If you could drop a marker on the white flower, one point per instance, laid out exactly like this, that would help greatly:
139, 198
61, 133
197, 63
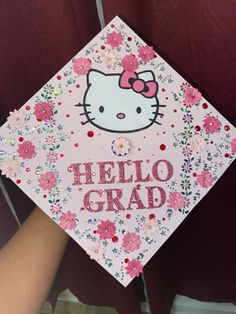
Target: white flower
9, 167
198, 144
110, 57
96, 251
51, 140
120, 146
16, 118
150, 227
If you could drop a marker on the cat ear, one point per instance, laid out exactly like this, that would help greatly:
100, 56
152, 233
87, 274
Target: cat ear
147, 76
95, 76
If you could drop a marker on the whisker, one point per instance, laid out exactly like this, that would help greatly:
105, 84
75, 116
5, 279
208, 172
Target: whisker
82, 105
158, 114
84, 113
156, 105
85, 122
154, 121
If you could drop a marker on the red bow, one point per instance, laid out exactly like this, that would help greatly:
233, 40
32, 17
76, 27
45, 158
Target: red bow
131, 80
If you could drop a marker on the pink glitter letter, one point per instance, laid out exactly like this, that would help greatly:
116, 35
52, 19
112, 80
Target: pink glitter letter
105, 172
122, 178
155, 171
138, 169
78, 173
159, 201
135, 199
87, 202
114, 200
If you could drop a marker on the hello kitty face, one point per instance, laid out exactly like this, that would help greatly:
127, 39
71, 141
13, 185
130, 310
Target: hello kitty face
121, 103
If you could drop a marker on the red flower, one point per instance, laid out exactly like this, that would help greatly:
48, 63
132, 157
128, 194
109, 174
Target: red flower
43, 111
211, 124
68, 220
134, 268
106, 229
146, 53
82, 65
129, 63
192, 96
114, 39
26, 150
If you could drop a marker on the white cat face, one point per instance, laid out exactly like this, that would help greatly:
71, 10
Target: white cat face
114, 109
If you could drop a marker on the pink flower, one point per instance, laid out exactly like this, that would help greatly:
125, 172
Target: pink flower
82, 65
26, 150
43, 111
176, 200
52, 157
191, 96
211, 124
129, 63
68, 220
233, 145
106, 229
134, 268
47, 181
205, 179
146, 53
131, 242
114, 39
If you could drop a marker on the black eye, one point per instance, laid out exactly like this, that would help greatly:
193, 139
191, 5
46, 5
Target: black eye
101, 108
138, 109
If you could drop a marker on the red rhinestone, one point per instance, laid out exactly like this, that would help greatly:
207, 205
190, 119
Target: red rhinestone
197, 128
152, 216
194, 174
94, 231
129, 38
162, 147
175, 110
90, 134
115, 239
77, 85
59, 103
112, 25
204, 106
45, 196
211, 142
62, 155
226, 127
70, 91
226, 155
18, 181
163, 89
103, 47
172, 125
76, 144
128, 216
67, 115
163, 219
155, 56
27, 169
126, 260
27, 107
21, 139
59, 77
